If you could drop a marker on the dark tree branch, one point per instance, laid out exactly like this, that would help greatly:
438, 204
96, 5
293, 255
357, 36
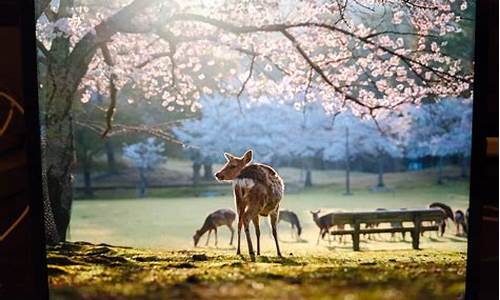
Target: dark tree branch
320, 72
121, 129
243, 85
152, 58
40, 7
283, 28
112, 91
42, 48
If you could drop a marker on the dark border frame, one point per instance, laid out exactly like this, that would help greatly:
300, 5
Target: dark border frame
33, 152
485, 122
486, 21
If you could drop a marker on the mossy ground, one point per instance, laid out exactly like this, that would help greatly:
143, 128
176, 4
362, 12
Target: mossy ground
89, 271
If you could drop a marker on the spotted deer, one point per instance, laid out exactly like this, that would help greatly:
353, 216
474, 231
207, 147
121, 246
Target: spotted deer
258, 190
218, 218
324, 223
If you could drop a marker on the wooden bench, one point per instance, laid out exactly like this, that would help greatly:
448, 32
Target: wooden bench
416, 216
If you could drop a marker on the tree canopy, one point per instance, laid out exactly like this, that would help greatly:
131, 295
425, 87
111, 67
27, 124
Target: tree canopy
366, 55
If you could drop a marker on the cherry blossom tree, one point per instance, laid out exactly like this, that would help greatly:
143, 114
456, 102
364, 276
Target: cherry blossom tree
145, 157
368, 55
224, 126
440, 129
383, 140
271, 129
346, 130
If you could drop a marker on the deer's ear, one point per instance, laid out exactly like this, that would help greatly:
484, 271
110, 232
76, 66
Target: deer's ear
247, 157
228, 156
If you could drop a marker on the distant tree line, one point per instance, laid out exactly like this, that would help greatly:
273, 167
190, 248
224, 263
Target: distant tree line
307, 136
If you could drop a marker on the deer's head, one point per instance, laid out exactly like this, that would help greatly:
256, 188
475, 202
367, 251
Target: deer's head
196, 237
315, 214
233, 166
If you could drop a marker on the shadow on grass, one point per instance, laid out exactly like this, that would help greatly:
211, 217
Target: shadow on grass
436, 240
458, 239
337, 247
286, 261
407, 241
222, 248
299, 241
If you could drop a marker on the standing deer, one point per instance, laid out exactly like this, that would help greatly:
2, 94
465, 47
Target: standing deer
292, 218
258, 190
218, 218
324, 223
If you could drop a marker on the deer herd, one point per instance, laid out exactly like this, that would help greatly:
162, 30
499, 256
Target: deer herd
258, 190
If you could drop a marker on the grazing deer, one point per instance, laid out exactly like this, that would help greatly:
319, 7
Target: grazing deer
258, 190
292, 218
324, 223
448, 212
218, 218
461, 220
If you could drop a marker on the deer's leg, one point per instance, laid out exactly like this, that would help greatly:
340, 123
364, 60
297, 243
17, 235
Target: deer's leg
208, 237
230, 226
215, 231
274, 220
249, 215
256, 224
293, 230
443, 228
240, 208
319, 236
240, 224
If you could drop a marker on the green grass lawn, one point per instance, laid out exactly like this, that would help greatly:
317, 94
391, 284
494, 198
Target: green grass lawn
86, 271
169, 222
160, 261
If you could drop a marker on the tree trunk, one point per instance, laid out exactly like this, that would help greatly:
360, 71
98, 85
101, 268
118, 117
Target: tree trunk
347, 164
308, 180
207, 171
87, 179
51, 233
440, 170
61, 76
110, 155
60, 157
196, 172
380, 183
465, 167
143, 184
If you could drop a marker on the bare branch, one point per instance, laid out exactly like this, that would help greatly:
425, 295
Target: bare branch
250, 71
320, 72
152, 58
121, 129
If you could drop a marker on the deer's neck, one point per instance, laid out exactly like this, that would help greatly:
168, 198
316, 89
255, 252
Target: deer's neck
206, 226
